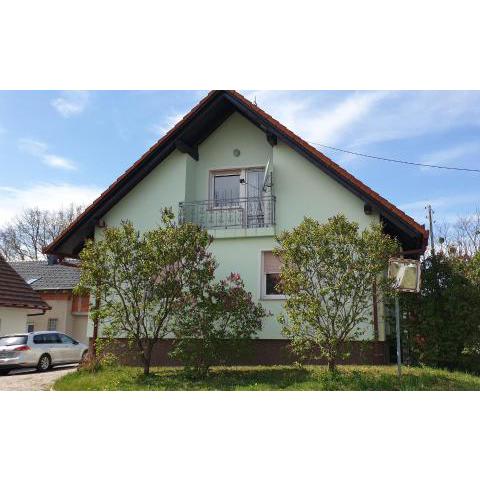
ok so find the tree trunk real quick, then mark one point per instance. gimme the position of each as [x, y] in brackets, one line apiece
[146, 365]
[147, 358]
[332, 365]
[93, 353]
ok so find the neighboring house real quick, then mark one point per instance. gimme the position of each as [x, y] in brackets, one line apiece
[54, 282]
[20, 305]
[232, 168]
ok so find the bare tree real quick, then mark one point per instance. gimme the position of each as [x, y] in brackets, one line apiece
[467, 233]
[461, 237]
[32, 230]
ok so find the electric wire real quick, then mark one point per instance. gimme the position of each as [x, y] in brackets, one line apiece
[405, 162]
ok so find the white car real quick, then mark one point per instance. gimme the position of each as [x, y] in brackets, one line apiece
[41, 350]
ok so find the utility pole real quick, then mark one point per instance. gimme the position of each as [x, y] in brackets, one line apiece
[399, 344]
[430, 220]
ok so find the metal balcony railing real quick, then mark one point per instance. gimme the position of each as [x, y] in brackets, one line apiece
[251, 212]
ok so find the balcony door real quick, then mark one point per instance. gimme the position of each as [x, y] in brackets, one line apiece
[226, 188]
[255, 211]
[237, 198]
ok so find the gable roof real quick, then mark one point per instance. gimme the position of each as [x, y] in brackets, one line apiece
[42, 276]
[15, 292]
[190, 131]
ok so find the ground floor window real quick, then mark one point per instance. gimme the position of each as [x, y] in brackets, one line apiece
[271, 267]
[52, 324]
[30, 327]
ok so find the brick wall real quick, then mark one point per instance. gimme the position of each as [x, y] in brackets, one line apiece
[264, 352]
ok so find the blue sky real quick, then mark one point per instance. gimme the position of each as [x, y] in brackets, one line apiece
[61, 147]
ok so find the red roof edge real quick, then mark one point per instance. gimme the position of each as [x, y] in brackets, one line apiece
[341, 172]
[159, 143]
[334, 166]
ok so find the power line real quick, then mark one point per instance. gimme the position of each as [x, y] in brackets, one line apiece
[398, 161]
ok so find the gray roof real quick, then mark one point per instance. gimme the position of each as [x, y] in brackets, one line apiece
[42, 276]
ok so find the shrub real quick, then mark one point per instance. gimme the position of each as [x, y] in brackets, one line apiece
[442, 322]
[329, 276]
[217, 326]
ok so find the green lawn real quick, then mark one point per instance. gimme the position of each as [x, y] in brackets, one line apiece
[271, 378]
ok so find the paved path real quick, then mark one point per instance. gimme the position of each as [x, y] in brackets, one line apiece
[32, 380]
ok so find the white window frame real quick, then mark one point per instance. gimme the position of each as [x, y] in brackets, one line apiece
[211, 186]
[263, 281]
[242, 171]
[56, 324]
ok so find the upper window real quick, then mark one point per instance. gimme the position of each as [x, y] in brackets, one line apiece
[271, 286]
[226, 188]
[52, 324]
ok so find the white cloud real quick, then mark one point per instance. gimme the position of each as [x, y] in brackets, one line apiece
[160, 129]
[32, 147]
[446, 207]
[363, 118]
[41, 150]
[71, 103]
[58, 162]
[325, 122]
[45, 196]
[403, 115]
[446, 156]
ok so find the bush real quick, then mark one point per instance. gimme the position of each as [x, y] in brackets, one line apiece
[332, 277]
[216, 327]
[442, 322]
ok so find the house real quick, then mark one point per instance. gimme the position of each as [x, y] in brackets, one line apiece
[232, 168]
[20, 305]
[54, 282]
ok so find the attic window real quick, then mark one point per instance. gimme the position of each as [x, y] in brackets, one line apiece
[31, 280]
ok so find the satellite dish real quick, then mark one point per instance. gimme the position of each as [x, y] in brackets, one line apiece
[265, 174]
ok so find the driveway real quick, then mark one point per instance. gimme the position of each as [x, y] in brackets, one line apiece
[32, 380]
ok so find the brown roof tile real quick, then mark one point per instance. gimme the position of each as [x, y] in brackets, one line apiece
[334, 167]
[15, 292]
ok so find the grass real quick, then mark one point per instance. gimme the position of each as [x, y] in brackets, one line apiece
[271, 378]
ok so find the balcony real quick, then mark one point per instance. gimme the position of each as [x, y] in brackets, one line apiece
[237, 213]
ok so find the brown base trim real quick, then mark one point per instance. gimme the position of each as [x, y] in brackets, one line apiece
[264, 352]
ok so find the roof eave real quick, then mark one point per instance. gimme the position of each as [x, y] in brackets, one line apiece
[84, 225]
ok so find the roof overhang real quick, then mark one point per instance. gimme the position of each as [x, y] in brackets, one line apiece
[190, 132]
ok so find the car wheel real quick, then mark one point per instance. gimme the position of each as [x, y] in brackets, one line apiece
[44, 363]
[84, 356]
[4, 372]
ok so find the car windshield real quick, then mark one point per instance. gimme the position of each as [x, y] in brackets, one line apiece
[13, 340]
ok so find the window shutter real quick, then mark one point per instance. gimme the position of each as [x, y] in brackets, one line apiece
[271, 263]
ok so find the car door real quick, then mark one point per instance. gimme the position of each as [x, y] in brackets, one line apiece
[70, 348]
[55, 347]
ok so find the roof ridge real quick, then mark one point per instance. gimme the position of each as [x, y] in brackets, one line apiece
[358, 184]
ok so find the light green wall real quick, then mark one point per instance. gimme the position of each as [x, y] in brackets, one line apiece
[216, 152]
[163, 187]
[301, 189]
